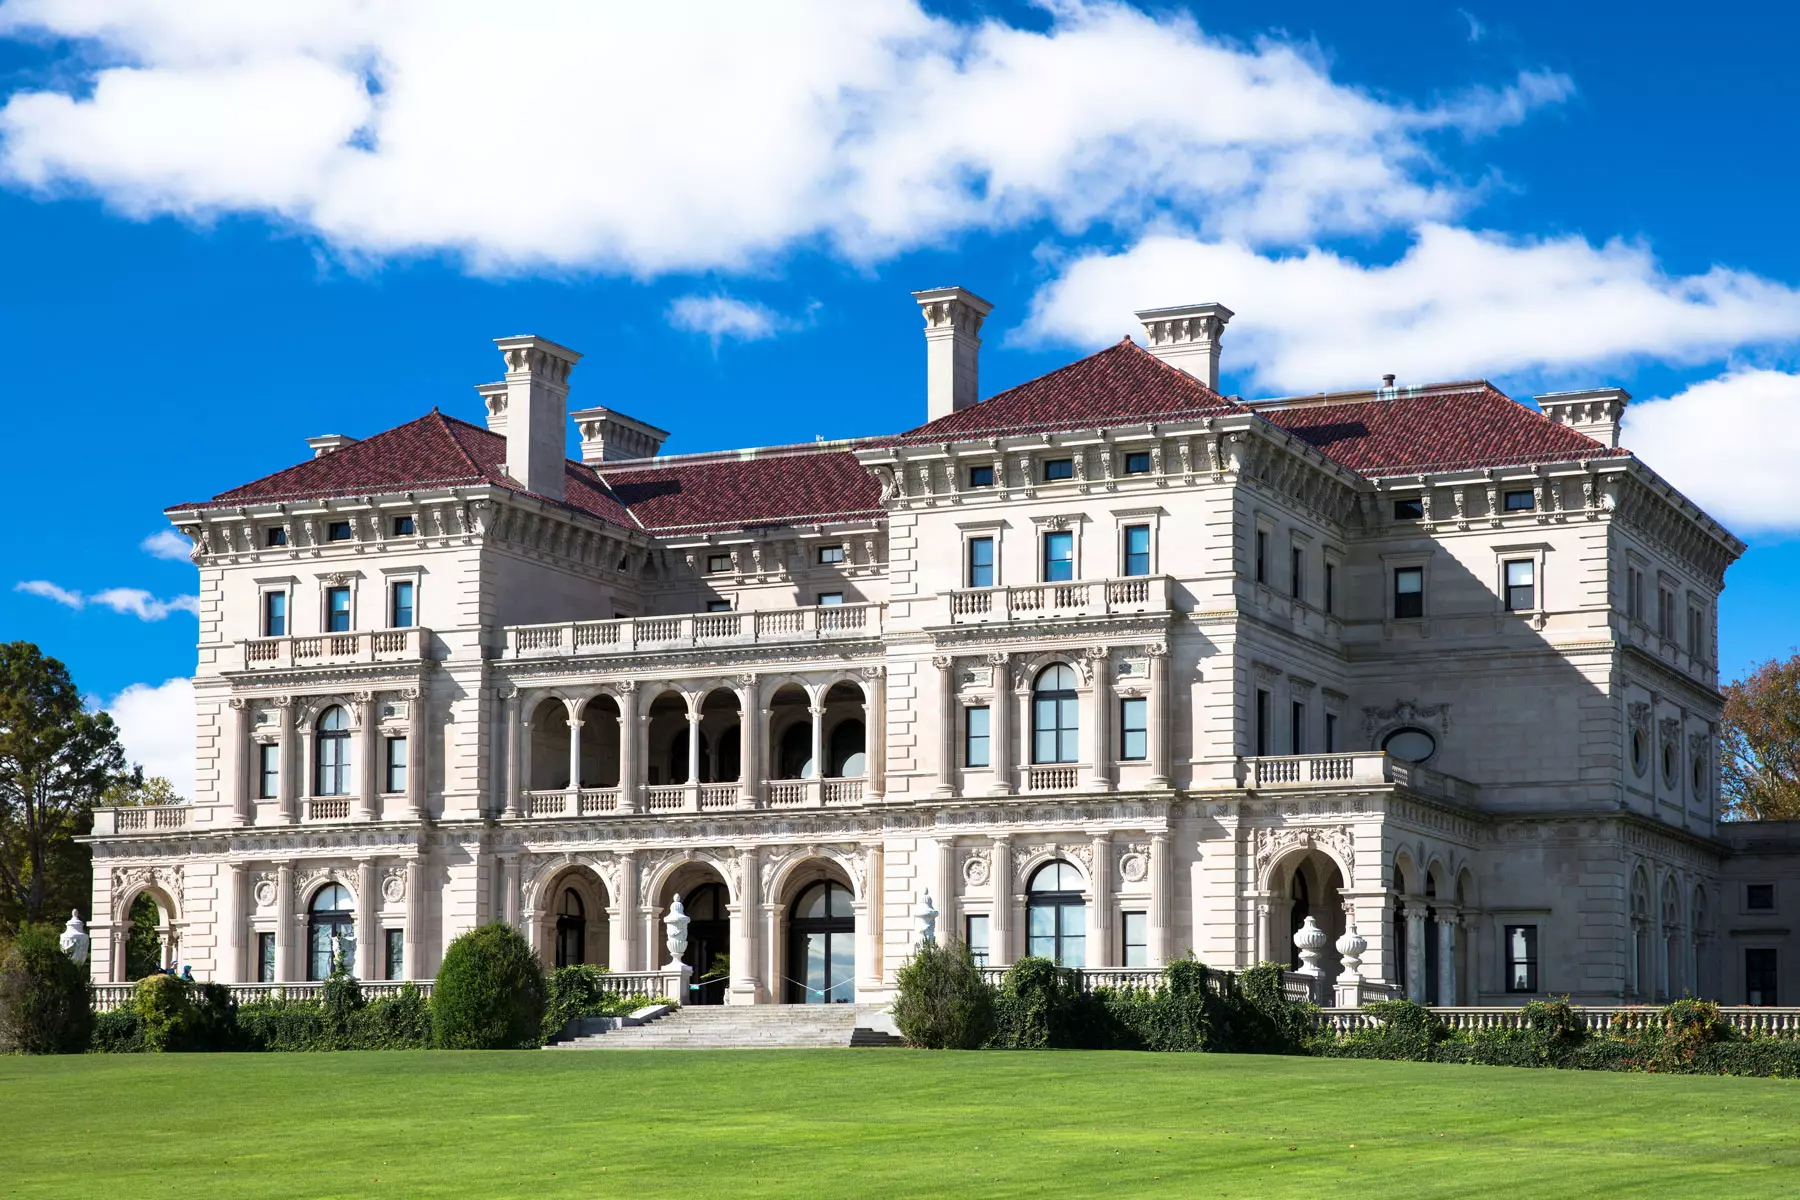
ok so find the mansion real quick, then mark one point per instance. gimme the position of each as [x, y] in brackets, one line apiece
[1108, 667]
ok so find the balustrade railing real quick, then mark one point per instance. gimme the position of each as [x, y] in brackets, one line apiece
[1366, 768]
[158, 816]
[335, 649]
[598, 800]
[326, 808]
[714, 796]
[785, 793]
[1600, 1018]
[753, 627]
[1097, 597]
[668, 798]
[1052, 779]
[109, 996]
[843, 791]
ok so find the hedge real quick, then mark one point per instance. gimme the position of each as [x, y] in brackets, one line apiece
[44, 1003]
[490, 992]
[574, 992]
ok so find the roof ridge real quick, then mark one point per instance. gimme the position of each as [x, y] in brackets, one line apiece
[444, 422]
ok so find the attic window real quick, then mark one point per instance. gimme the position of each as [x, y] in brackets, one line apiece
[1058, 468]
[830, 554]
[980, 477]
[403, 526]
[1409, 509]
[718, 564]
[1521, 501]
[275, 535]
[338, 531]
[1137, 462]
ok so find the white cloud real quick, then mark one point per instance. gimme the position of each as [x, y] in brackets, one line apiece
[1458, 303]
[1730, 445]
[1477, 30]
[726, 318]
[156, 727]
[134, 602]
[713, 134]
[166, 543]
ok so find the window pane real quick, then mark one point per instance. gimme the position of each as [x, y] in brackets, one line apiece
[277, 536]
[1059, 468]
[1137, 462]
[403, 526]
[275, 614]
[1409, 510]
[395, 958]
[1059, 557]
[830, 598]
[1523, 501]
[1137, 550]
[1409, 592]
[1134, 726]
[1137, 939]
[337, 610]
[396, 764]
[1518, 573]
[975, 933]
[981, 477]
[831, 554]
[269, 771]
[265, 958]
[403, 606]
[1330, 588]
[337, 531]
[981, 562]
[976, 754]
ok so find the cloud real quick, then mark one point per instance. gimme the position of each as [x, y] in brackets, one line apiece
[724, 318]
[1730, 445]
[156, 727]
[713, 135]
[1458, 303]
[166, 543]
[134, 602]
[1477, 30]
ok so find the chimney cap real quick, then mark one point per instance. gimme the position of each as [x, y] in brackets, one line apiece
[328, 442]
[608, 435]
[1175, 312]
[934, 295]
[1387, 381]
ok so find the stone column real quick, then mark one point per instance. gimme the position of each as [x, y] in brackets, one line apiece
[306, 777]
[1415, 952]
[418, 760]
[947, 714]
[1446, 933]
[943, 891]
[875, 732]
[693, 752]
[368, 901]
[1162, 893]
[415, 923]
[284, 922]
[367, 782]
[518, 737]
[575, 724]
[743, 927]
[620, 926]
[1099, 924]
[509, 889]
[231, 921]
[817, 784]
[752, 732]
[1000, 921]
[1160, 704]
[628, 746]
[287, 785]
[1000, 735]
[772, 947]
[868, 925]
[1099, 717]
[244, 752]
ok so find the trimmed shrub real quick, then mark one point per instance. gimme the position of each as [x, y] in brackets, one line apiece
[401, 1022]
[117, 1032]
[44, 1002]
[941, 1001]
[489, 993]
[573, 992]
[1032, 1011]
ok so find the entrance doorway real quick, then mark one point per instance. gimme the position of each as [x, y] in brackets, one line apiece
[709, 943]
[822, 946]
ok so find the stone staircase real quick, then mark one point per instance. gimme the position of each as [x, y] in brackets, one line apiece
[750, 1027]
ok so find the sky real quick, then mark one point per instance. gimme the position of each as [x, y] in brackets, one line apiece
[225, 228]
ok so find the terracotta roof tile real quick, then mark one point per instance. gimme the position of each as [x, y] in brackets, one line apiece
[804, 488]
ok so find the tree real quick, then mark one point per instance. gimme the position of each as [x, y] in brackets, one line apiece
[1760, 744]
[56, 760]
[132, 792]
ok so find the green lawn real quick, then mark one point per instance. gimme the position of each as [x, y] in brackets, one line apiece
[876, 1124]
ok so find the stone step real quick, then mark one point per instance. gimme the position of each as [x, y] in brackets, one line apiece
[783, 1026]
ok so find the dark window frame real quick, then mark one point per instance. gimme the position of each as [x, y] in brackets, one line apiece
[275, 623]
[268, 770]
[393, 958]
[403, 616]
[394, 764]
[275, 535]
[1064, 725]
[1136, 562]
[981, 476]
[1519, 500]
[1050, 562]
[1529, 962]
[841, 552]
[1754, 892]
[718, 564]
[1137, 462]
[829, 599]
[333, 611]
[1408, 605]
[972, 564]
[340, 531]
[1059, 470]
[404, 527]
[1134, 729]
[1127, 944]
[1259, 733]
[1520, 597]
[971, 738]
[1409, 508]
[1261, 565]
[982, 949]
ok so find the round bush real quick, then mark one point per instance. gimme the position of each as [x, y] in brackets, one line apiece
[942, 1002]
[164, 1008]
[44, 1004]
[489, 993]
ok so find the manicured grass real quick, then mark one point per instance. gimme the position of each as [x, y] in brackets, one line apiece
[876, 1124]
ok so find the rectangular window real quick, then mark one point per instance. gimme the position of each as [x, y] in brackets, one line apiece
[1297, 728]
[337, 610]
[1261, 732]
[1058, 468]
[1137, 939]
[1759, 897]
[830, 554]
[1520, 501]
[274, 614]
[980, 477]
[718, 606]
[1331, 733]
[1759, 978]
[275, 535]
[1296, 571]
[1665, 613]
[1059, 557]
[1410, 508]
[268, 771]
[1521, 585]
[976, 752]
[1409, 592]
[1134, 728]
[403, 526]
[337, 531]
[975, 936]
[402, 615]
[1521, 958]
[981, 562]
[1137, 550]
[830, 599]
[1694, 632]
[1137, 462]
[1262, 556]
[265, 958]
[396, 765]
[394, 961]
[1331, 587]
[1634, 593]
[718, 564]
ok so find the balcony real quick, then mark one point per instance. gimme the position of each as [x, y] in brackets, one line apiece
[1038, 601]
[1365, 769]
[692, 798]
[813, 623]
[149, 819]
[335, 649]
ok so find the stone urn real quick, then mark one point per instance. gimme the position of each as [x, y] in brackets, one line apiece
[675, 927]
[74, 940]
[1311, 941]
[1351, 947]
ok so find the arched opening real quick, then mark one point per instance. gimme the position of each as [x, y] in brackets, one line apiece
[571, 929]
[1671, 982]
[600, 734]
[1402, 951]
[1641, 970]
[330, 931]
[331, 753]
[144, 938]
[1309, 884]
[845, 737]
[667, 738]
[1056, 915]
[706, 901]
[1055, 720]
[720, 721]
[550, 746]
[790, 733]
[1698, 943]
[1297, 914]
[1434, 948]
[822, 945]
[1465, 956]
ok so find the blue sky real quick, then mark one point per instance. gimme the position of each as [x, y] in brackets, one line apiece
[225, 228]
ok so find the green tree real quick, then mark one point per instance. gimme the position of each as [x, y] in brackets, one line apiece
[56, 760]
[1760, 744]
[133, 792]
[143, 945]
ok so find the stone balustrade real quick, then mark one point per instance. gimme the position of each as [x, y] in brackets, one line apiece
[1297, 987]
[1035, 601]
[1601, 1018]
[665, 984]
[335, 649]
[688, 798]
[625, 635]
[1371, 768]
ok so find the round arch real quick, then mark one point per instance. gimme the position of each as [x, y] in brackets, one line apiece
[818, 930]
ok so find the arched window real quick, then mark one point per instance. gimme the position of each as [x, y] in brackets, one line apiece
[796, 752]
[846, 759]
[727, 761]
[1055, 728]
[822, 946]
[332, 776]
[709, 942]
[329, 919]
[571, 930]
[1056, 917]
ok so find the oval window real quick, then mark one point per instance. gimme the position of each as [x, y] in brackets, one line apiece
[1639, 751]
[1699, 777]
[1410, 745]
[1669, 765]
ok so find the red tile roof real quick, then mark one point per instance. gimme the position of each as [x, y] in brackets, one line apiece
[1459, 431]
[1121, 385]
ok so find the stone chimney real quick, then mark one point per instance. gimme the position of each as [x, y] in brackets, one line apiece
[1187, 336]
[608, 436]
[953, 318]
[326, 443]
[1595, 412]
[493, 399]
[534, 412]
